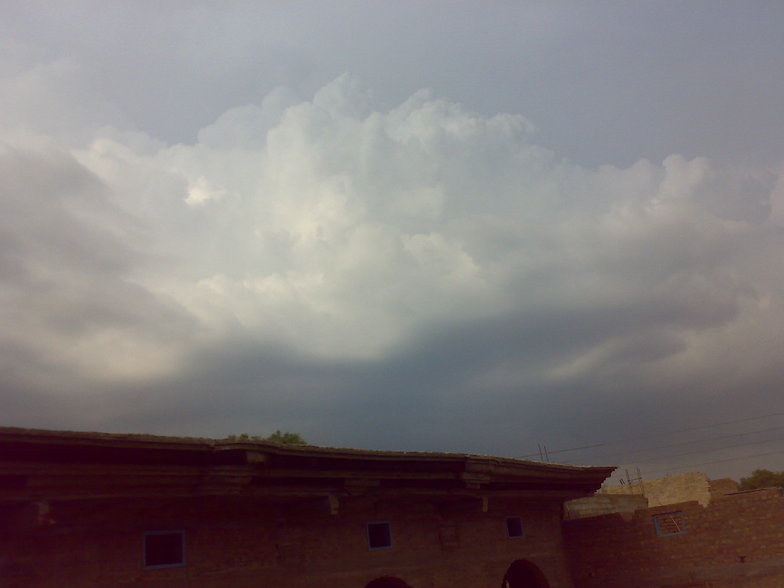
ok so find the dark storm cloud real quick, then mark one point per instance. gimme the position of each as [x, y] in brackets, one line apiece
[427, 396]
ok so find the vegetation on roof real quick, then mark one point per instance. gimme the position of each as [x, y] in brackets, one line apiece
[282, 437]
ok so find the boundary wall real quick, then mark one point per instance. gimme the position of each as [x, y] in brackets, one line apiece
[737, 541]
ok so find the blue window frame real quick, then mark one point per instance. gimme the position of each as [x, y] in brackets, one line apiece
[669, 523]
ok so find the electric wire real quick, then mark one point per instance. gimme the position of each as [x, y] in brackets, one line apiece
[694, 465]
[655, 435]
[703, 451]
[721, 448]
[625, 454]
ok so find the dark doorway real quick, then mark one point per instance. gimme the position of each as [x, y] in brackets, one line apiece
[523, 574]
[387, 582]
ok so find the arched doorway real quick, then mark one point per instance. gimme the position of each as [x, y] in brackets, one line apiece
[387, 582]
[523, 574]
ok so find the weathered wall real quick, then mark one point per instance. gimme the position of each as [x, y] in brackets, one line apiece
[722, 486]
[669, 490]
[238, 543]
[600, 504]
[735, 542]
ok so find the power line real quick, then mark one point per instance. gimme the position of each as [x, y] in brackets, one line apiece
[694, 465]
[654, 435]
[682, 443]
[720, 448]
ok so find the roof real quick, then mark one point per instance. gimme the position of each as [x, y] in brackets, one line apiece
[45, 464]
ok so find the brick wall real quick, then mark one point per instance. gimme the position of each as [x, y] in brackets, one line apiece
[239, 542]
[737, 541]
[722, 486]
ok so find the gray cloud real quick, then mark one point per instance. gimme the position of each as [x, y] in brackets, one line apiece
[604, 84]
[221, 232]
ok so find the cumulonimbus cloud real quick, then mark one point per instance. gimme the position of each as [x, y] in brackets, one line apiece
[342, 230]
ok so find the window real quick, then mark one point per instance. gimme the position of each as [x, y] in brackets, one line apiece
[514, 527]
[669, 523]
[379, 535]
[387, 582]
[164, 549]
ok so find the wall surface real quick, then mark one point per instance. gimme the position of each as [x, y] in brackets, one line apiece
[233, 542]
[601, 504]
[722, 486]
[668, 490]
[735, 542]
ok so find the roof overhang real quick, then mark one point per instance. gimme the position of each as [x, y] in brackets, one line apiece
[68, 465]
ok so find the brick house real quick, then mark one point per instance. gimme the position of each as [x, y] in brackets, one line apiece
[717, 540]
[91, 509]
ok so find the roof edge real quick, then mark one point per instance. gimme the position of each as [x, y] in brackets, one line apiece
[476, 462]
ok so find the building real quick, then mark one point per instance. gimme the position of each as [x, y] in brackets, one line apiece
[675, 488]
[695, 533]
[91, 509]
[626, 499]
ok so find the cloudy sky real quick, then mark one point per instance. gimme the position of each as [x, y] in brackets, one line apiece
[451, 226]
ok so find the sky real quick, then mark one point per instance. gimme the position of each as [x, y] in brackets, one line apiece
[496, 227]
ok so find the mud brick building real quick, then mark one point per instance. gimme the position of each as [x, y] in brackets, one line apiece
[735, 540]
[88, 510]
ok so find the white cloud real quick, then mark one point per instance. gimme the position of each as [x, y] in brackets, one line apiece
[343, 230]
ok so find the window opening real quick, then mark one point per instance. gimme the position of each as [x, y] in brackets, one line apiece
[387, 582]
[514, 527]
[669, 523]
[379, 535]
[164, 549]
